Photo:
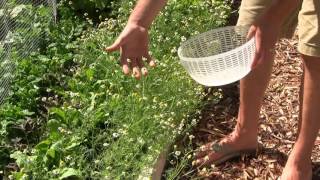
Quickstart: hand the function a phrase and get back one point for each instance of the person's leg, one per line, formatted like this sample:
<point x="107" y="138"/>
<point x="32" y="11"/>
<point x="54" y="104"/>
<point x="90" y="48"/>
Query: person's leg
<point x="245" y="134"/>
<point x="300" y="102"/>
<point x="298" y="166"/>
<point x="252" y="89"/>
<point x="299" y="163"/>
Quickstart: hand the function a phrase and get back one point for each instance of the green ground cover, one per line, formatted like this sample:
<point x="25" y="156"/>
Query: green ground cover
<point x="73" y="113"/>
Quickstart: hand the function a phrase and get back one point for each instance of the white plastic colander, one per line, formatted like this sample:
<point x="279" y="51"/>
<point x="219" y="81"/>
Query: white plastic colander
<point x="218" y="57"/>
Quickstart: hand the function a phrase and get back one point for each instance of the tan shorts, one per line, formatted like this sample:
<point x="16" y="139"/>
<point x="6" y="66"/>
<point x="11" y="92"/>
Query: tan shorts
<point x="308" y="16"/>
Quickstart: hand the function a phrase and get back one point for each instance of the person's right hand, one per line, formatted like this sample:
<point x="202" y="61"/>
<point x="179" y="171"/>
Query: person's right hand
<point x="133" y="44"/>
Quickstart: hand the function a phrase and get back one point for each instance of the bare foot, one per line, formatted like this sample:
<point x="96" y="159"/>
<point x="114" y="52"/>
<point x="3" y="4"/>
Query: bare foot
<point x="234" y="143"/>
<point x="297" y="168"/>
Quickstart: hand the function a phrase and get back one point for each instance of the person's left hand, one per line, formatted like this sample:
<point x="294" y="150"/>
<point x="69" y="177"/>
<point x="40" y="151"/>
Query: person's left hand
<point x="266" y="35"/>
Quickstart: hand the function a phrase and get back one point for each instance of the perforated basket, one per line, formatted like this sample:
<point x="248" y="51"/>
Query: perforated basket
<point x="218" y="57"/>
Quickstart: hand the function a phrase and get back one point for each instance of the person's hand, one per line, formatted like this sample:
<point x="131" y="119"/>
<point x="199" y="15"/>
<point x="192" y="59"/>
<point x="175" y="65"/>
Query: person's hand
<point x="133" y="44"/>
<point x="266" y="35"/>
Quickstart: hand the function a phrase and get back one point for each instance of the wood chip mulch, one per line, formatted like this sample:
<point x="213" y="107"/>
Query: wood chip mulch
<point x="278" y="123"/>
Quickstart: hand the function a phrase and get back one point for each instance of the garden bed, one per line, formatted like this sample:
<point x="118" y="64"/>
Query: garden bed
<point x="73" y="113"/>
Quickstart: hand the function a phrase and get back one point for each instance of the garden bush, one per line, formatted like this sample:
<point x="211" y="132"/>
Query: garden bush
<point x="88" y="120"/>
<point x="96" y="10"/>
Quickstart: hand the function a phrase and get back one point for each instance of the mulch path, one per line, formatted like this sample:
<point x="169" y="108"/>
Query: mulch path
<point x="278" y="123"/>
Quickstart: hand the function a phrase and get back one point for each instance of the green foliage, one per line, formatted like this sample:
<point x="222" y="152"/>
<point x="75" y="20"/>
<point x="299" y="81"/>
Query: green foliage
<point x="38" y="79"/>
<point x="84" y="117"/>
<point x="91" y="4"/>
<point x="93" y="9"/>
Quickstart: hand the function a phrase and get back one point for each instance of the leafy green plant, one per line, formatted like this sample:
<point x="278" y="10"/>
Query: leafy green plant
<point x="91" y="4"/>
<point x="94" y="121"/>
<point x="96" y="10"/>
<point x="38" y="79"/>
